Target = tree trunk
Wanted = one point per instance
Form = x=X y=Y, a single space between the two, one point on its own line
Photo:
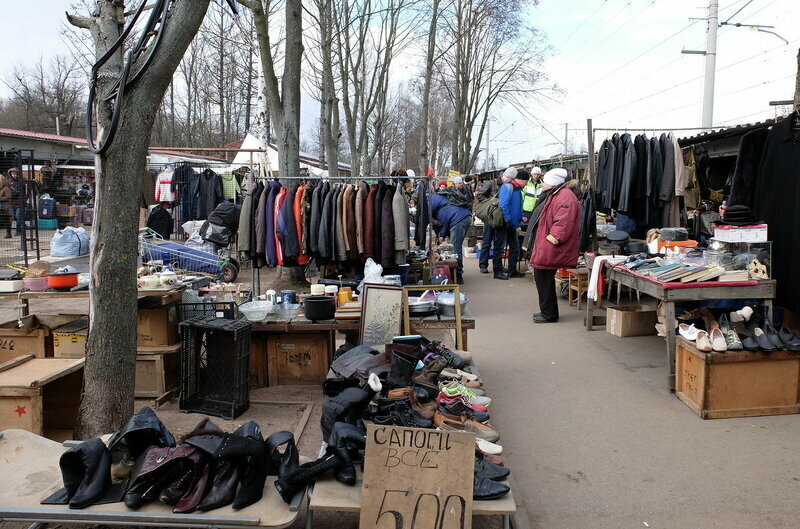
x=109 y=373
x=424 y=158
x=797 y=85
x=289 y=150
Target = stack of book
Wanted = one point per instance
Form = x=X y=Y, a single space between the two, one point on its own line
x=692 y=273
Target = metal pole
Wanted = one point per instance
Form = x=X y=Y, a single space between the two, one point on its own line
x=590 y=165
x=566 y=137
x=711 y=63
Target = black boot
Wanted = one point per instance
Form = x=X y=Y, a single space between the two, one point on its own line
x=400 y=413
x=345 y=407
x=86 y=471
x=403 y=367
x=255 y=451
x=345 y=441
x=295 y=482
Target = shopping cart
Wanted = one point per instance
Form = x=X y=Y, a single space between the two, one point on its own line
x=152 y=247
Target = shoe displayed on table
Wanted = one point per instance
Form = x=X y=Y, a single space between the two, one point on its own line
x=748 y=341
x=484 y=270
x=454 y=389
x=688 y=331
x=480 y=430
x=484 y=488
x=501 y=275
x=400 y=413
x=443 y=399
x=773 y=335
x=425 y=410
x=461 y=376
x=491 y=470
x=703 y=342
x=763 y=341
x=427 y=378
x=456 y=409
x=790 y=341
x=718 y=342
x=488 y=448
x=453 y=360
x=744 y=314
x=732 y=340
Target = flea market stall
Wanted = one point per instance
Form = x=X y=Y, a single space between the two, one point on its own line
x=696 y=224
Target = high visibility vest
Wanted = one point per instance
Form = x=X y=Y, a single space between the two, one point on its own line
x=531 y=193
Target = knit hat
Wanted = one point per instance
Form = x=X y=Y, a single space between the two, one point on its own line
x=555 y=177
x=457 y=180
x=510 y=173
x=523 y=175
x=536 y=170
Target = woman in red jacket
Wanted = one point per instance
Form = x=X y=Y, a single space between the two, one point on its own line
x=556 y=241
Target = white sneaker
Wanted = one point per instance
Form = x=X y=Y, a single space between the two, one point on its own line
x=488 y=448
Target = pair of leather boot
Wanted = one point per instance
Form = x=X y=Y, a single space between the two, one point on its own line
x=399 y=412
x=86 y=471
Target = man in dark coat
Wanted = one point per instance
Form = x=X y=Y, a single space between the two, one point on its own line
x=455 y=221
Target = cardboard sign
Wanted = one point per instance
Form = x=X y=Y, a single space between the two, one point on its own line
x=417 y=478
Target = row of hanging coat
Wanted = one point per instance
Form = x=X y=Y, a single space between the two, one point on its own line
x=641 y=178
x=331 y=223
x=196 y=194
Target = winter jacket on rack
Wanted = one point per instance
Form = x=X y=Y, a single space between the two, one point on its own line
x=777 y=202
x=369 y=222
x=351 y=227
x=245 y=222
x=605 y=174
x=361 y=198
x=147 y=195
x=325 y=242
x=341 y=243
x=400 y=215
x=423 y=216
x=745 y=175
x=286 y=229
x=616 y=178
x=160 y=221
x=347 y=216
x=640 y=208
x=588 y=220
x=387 y=229
x=230 y=186
x=629 y=171
x=270 y=244
x=317 y=204
x=655 y=170
x=377 y=239
x=260 y=229
x=299 y=220
x=280 y=198
x=209 y=193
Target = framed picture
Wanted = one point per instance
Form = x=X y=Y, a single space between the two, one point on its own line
x=381 y=314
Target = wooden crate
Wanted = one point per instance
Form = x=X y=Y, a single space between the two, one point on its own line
x=298 y=359
x=41 y=395
x=158 y=370
x=737 y=384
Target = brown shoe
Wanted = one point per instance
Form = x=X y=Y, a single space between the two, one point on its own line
x=482 y=431
x=425 y=410
x=428 y=377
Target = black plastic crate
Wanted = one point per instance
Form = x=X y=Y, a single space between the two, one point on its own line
x=218 y=309
x=215 y=367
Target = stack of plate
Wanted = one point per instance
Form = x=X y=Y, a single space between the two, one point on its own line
x=417 y=305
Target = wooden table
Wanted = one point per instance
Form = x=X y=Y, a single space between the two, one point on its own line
x=762 y=290
x=277 y=323
x=33 y=463
x=329 y=495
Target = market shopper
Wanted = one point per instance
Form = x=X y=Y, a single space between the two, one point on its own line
x=557 y=232
x=487 y=191
x=5 y=211
x=532 y=191
x=510 y=198
x=455 y=221
x=18 y=197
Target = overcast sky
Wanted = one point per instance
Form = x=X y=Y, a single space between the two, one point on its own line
x=617 y=61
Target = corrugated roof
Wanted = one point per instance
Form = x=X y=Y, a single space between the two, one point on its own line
x=41 y=136
x=737 y=130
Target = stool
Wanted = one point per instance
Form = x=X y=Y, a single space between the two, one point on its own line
x=578 y=282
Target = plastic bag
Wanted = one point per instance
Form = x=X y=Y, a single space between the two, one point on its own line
x=69 y=242
x=373 y=273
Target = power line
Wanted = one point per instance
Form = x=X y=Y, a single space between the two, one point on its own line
x=591 y=35
x=585 y=20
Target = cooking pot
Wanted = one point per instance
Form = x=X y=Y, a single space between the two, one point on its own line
x=446 y=303
x=319 y=308
x=64 y=281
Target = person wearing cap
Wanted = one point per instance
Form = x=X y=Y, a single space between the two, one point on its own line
x=532 y=191
x=487 y=191
x=556 y=226
x=510 y=201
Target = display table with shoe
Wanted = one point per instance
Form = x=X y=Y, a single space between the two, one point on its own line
x=671 y=293
x=31 y=465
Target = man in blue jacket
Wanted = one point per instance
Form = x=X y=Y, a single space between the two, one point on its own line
x=510 y=198
x=455 y=222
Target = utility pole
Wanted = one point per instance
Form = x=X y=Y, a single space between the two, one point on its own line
x=566 y=136
x=488 y=125
x=710 y=52
x=711 y=64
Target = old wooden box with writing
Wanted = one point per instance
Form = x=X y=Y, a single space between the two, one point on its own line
x=298 y=359
x=736 y=384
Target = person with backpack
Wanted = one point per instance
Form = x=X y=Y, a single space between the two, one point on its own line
x=488 y=191
x=510 y=202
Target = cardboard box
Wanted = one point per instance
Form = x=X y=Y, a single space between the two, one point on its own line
x=69 y=341
x=635 y=320
x=156 y=327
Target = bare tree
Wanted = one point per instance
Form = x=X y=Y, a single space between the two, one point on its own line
x=109 y=373
x=430 y=52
